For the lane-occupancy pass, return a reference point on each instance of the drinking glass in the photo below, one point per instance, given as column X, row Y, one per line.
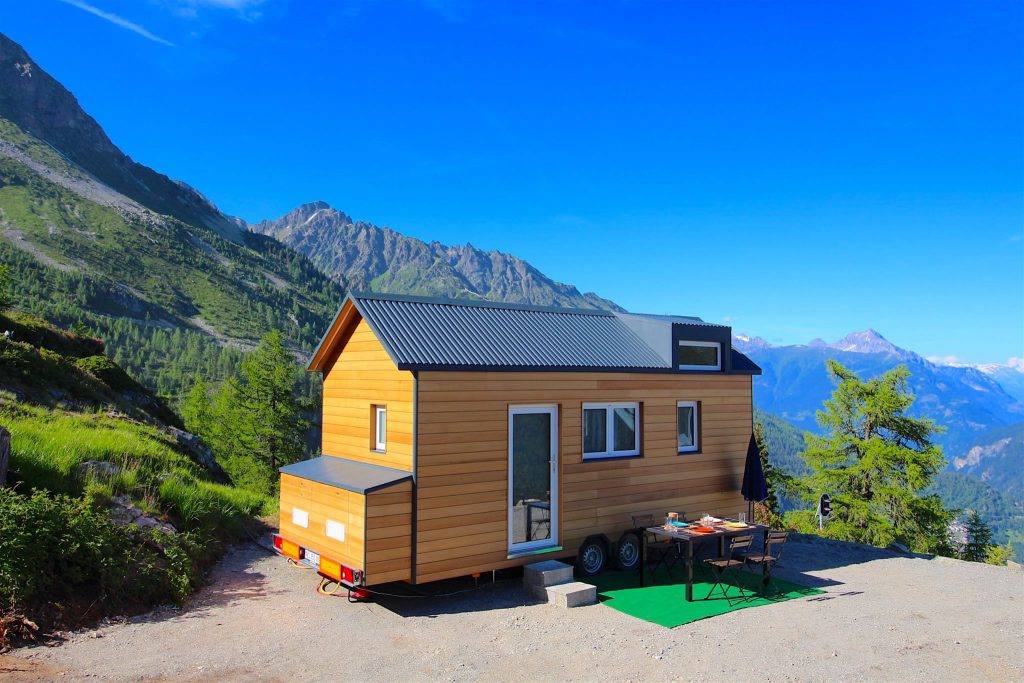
column 743, row 518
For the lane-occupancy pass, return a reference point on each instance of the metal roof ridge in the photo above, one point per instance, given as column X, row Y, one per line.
column 480, row 303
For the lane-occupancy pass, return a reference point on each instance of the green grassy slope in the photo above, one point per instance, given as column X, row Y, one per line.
column 87, row 440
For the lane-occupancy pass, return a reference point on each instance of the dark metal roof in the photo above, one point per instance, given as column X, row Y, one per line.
column 443, row 333
column 351, row 475
column 440, row 334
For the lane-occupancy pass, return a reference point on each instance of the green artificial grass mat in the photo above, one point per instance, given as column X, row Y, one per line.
column 663, row 600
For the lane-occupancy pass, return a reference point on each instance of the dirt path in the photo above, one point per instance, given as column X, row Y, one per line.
column 882, row 617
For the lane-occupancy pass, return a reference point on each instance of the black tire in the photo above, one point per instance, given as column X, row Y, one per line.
column 592, row 557
column 627, row 551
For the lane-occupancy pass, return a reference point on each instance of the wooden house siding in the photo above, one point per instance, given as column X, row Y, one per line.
column 363, row 375
column 323, row 502
column 389, row 534
column 462, row 459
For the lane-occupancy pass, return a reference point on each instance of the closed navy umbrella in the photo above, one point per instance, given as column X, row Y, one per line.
column 755, row 488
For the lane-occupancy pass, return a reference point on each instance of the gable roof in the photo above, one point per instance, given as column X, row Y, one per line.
column 421, row 333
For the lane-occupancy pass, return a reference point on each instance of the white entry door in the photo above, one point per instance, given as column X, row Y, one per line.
column 532, row 477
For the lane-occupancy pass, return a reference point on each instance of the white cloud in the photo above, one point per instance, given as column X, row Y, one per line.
column 118, row 21
column 946, row 360
column 1016, row 362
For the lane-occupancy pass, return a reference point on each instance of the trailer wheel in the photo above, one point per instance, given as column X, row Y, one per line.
column 627, row 552
column 592, row 557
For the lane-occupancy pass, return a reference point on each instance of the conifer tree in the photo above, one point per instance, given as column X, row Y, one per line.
column 979, row 538
column 875, row 461
column 6, row 299
column 270, row 424
column 778, row 481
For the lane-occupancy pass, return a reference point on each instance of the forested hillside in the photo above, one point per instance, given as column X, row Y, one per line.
column 171, row 299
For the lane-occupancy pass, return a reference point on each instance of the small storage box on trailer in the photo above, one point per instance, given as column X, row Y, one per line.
column 461, row 437
column 356, row 517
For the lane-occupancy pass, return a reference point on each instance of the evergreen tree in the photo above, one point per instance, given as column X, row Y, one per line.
column 6, row 300
column 778, row 481
column 875, row 461
column 195, row 409
column 979, row 538
column 270, row 423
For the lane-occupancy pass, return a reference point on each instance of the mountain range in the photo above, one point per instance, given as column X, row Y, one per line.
column 965, row 400
column 363, row 256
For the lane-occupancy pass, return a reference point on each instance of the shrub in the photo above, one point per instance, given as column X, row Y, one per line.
column 60, row 558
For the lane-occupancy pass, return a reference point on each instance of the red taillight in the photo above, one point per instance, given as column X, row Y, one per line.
column 336, row 571
column 287, row 548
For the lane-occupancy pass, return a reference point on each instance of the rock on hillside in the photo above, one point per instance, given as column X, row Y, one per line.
column 364, row 256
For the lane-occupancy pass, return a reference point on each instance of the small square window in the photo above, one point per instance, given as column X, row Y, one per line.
column 611, row 430
column 380, row 428
column 688, row 426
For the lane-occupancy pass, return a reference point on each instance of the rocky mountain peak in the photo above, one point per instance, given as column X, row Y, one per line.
column 867, row 341
column 368, row 257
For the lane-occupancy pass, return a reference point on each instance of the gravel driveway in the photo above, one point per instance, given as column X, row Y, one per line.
column 883, row 616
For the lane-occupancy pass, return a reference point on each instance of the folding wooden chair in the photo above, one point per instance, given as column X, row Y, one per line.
column 663, row 552
column 772, row 551
column 731, row 564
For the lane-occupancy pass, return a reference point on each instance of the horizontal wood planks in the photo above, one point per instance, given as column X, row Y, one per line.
column 462, row 459
column 362, row 376
column 389, row 534
column 322, row 503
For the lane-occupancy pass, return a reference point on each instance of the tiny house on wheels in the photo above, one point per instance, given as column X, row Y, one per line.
column 465, row 436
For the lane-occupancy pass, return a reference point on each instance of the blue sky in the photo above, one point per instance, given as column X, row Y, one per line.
column 798, row 170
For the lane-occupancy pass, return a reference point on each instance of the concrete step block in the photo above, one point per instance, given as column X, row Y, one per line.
column 546, row 573
column 575, row 594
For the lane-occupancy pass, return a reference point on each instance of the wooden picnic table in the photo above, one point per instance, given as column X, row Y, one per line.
column 688, row 538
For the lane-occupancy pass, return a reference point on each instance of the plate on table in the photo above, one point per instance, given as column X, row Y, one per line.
column 736, row 525
column 701, row 529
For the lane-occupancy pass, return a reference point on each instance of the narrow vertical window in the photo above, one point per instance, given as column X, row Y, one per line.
column 380, row 428
column 688, row 426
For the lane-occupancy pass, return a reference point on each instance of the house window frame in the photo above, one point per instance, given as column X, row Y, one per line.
column 705, row 344
column 609, row 436
column 376, row 442
column 695, row 448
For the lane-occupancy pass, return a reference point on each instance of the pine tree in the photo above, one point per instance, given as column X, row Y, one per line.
column 979, row 538
column 778, row 481
column 6, row 300
column 195, row 409
column 875, row 461
column 270, row 421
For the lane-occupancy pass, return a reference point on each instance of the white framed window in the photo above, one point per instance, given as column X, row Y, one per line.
column 380, row 428
column 611, row 430
column 700, row 355
column 688, row 426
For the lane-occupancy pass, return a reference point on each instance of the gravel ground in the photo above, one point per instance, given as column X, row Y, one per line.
column 883, row 616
